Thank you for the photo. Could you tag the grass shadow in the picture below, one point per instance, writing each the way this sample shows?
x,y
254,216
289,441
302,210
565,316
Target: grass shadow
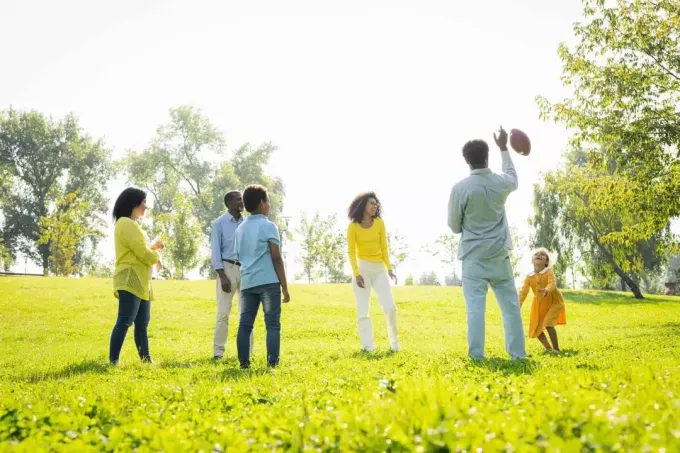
x,y
71,370
588,367
610,298
185,364
504,366
568,353
375,355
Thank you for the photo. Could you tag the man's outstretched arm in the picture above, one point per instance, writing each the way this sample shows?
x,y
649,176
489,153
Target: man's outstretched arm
x,y
508,169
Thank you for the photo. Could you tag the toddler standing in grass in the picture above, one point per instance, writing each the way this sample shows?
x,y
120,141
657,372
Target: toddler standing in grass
x,y
547,310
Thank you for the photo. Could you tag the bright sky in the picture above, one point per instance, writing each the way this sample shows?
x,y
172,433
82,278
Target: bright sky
x,y
357,97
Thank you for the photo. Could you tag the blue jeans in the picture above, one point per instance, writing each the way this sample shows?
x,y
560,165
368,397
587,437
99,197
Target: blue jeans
x,y
131,309
270,296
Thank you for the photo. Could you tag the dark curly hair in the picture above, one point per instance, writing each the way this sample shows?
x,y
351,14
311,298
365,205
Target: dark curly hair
x,y
358,206
253,196
476,153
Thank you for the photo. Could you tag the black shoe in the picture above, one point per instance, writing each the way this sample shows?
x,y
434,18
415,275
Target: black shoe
x,y
217,357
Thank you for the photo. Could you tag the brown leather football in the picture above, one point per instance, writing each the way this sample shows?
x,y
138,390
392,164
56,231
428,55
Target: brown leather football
x,y
519,141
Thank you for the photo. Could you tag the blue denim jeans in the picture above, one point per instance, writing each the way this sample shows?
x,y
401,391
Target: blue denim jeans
x,y
270,297
131,309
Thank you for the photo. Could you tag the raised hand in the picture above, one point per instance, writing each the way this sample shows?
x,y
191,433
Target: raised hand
x,y
502,139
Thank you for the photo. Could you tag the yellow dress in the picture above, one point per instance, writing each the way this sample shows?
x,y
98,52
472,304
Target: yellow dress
x,y
548,310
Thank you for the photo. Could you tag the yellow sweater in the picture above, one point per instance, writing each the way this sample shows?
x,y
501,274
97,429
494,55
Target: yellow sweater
x,y
133,259
369,244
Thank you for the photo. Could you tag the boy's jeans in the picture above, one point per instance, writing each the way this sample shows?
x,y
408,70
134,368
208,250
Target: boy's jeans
x,y
270,296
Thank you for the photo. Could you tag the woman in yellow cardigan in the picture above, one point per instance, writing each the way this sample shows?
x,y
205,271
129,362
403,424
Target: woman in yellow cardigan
x,y
132,277
367,241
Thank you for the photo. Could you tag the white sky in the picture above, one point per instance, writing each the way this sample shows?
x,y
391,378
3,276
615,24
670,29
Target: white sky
x,y
358,95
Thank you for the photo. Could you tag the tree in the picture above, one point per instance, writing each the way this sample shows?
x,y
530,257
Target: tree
x,y
6,257
187,156
446,249
331,250
46,160
182,233
409,281
605,227
515,253
429,279
398,249
100,268
310,234
63,230
625,75
552,233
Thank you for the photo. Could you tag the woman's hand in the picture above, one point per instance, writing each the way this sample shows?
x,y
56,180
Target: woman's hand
x,y
393,276
158,245
360,281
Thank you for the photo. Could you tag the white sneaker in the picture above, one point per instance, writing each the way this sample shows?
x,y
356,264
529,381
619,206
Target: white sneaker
x,y
396,347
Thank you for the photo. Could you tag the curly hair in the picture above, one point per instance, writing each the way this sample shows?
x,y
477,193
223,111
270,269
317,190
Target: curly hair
x,y
476,153
358,206
253,195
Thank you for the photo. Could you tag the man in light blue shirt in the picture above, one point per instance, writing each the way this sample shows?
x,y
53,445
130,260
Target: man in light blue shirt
x,y
477,212
263,277
225,262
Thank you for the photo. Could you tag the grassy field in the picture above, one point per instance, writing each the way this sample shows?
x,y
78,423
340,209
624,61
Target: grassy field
x,y
616,387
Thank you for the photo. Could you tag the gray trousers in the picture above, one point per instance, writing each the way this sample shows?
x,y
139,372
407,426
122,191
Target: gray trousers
x,y
478,275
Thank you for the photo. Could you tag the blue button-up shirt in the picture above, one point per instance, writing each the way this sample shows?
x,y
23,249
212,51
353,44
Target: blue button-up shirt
x,y
477,210
252,247
222,240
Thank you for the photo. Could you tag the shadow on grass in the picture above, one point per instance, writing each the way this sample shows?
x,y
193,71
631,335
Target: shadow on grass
x,y
375,355
71,370
611,298
184,364
504,366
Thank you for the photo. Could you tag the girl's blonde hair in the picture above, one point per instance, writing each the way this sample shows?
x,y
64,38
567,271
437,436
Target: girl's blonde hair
x,y
543,251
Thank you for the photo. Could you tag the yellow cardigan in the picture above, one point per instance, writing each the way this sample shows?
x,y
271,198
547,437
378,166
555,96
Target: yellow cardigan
x,y
133,260
369,244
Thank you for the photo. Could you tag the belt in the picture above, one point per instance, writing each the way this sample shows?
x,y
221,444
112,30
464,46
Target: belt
x,y
235,263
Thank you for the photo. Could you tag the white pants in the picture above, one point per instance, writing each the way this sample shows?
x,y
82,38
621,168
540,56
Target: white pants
x,y
478,275
375,276
224,302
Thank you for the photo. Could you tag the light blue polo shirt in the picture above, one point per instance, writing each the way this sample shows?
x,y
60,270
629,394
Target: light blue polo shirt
x,y
251,243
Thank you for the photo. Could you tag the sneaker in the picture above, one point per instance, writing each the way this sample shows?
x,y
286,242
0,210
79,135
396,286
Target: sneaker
x,y
396,347
217,357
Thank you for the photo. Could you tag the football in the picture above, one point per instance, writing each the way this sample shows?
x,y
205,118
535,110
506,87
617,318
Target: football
x,y
519,141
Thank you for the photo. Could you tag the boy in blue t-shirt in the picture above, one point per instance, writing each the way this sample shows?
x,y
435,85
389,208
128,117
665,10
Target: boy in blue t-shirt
x,y
263,276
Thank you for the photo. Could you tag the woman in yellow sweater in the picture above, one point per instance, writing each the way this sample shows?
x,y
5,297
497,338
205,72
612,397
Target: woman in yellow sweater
x,y
131,279
369,256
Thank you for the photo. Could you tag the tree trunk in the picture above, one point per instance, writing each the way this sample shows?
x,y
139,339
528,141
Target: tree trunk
x,y
44,250
634,287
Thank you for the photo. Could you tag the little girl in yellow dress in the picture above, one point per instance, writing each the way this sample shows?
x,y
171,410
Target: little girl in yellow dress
x,y
547,309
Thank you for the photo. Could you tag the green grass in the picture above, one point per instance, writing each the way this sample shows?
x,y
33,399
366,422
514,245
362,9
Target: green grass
x,y
617,387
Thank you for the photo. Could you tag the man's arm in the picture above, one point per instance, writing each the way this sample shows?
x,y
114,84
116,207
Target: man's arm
x,y
280,269
274,240
509,172
455,212
216,256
